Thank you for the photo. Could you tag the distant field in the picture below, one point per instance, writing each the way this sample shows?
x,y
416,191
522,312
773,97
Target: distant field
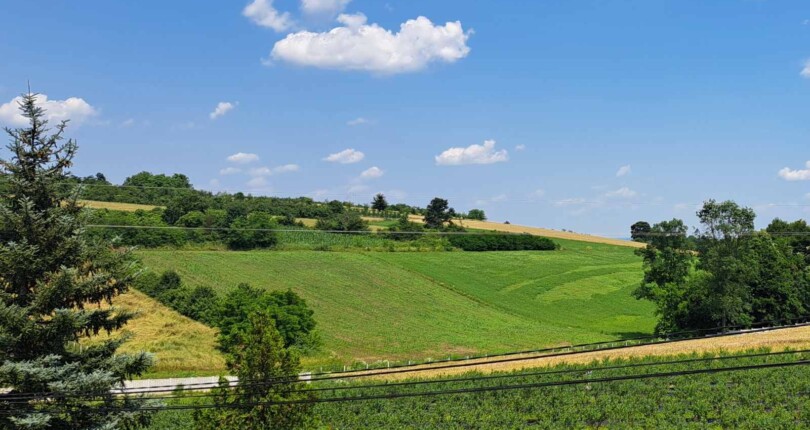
x,y
129,207
399,306
181,345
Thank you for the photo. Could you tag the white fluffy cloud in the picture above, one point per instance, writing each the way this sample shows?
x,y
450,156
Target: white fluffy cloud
x,y
357,121
323,7
371,48
806,70
623,171
623,192
371,173
221,109
347,156
267,171
789,174
262,13
74,109
473,154
243,158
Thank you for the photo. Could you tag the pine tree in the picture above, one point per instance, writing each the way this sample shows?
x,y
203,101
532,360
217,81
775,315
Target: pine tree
x,y
56,288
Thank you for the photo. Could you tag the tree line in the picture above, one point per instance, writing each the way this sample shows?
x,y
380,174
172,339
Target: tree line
x,y
725,273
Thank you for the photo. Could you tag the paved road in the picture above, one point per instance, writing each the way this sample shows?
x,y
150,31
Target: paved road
x,y
166,385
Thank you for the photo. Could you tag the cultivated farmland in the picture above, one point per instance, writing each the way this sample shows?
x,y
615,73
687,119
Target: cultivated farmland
x,y
374,306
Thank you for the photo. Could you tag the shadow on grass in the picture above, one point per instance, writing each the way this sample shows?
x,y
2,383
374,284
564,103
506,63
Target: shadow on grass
x,y
627,335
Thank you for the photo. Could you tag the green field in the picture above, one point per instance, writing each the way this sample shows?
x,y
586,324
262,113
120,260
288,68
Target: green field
x,y
374,306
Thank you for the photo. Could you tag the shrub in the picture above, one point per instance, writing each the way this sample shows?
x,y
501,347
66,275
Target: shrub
x,y
502,242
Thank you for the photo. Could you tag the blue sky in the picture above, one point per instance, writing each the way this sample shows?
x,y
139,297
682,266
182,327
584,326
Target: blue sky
x,y
700,99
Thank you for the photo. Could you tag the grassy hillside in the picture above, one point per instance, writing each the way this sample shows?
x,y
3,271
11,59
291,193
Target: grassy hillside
x,y
180,345
378,306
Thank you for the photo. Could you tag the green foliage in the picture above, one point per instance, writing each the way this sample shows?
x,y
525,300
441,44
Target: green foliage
x,y
501,242
253,231
343,221
477,214
735,277
796,234
406,229
640,231
438,213
293,318
379,203
53,281
258,354
147,237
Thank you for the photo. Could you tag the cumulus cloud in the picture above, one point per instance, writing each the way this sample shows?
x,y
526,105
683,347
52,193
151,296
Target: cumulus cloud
x,y
262,13
74,109
520,147
221,109
243,158
368,47
789,174
623,192
357,121
623,171
473,154
267,171
371,173
323,7
230,171
806,70
347,156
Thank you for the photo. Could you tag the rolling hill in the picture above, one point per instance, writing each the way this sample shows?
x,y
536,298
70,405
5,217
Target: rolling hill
x,y
374,306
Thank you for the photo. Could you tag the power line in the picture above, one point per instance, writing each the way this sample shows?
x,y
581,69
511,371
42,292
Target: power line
x,y
390,396
586,370
502,387
372,373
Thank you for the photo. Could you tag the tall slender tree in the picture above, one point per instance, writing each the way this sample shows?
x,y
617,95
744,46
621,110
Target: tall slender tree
x,y
56,288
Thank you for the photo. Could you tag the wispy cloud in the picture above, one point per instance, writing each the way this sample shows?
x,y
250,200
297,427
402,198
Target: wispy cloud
x,y
623,192
263,14
243,158
347,156
358,121
623,171
371,173
473,154
221,109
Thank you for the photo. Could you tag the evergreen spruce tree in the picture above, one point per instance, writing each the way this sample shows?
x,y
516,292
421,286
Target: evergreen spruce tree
x,y
258,354
56,288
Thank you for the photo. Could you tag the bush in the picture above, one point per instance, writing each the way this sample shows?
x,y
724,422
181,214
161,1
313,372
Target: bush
x,y
502,242
252,232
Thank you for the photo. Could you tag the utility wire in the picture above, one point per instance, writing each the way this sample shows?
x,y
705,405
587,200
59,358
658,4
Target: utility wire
x,y
390,396
289,379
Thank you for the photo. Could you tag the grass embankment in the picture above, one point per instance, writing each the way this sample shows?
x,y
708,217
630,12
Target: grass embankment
x,y
182,347
127,207
414,306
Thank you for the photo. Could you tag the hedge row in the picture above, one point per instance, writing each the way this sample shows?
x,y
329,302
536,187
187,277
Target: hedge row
x,y
502,242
